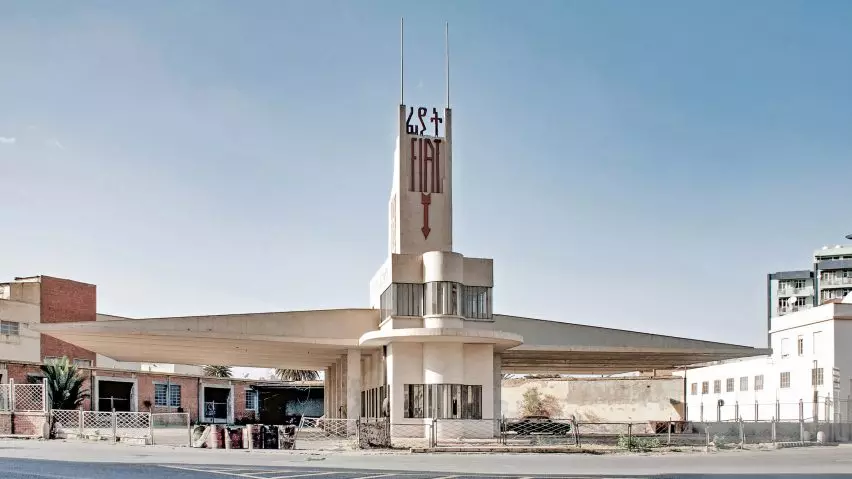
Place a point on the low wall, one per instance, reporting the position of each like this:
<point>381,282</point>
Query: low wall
<point>761,431</point>
<point>635,399</point>
<point>29,424</point>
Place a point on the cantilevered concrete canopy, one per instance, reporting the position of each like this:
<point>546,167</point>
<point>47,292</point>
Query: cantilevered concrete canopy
<point>316,339</point>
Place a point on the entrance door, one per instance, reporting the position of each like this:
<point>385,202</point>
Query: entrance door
<point>217,403</point>
<point>115,395</point>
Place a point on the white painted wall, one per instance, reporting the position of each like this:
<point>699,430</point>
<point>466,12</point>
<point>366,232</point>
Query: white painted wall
<point>825,345</point>
<point>27,345</point>
<point>479,370</point>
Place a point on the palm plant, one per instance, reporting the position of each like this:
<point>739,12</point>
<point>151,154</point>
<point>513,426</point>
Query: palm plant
<point>64,387</point>
<point>64,384</point>
<point>296,375</point>
<point>217,371</point>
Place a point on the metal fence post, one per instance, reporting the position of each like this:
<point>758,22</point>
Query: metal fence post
<point>114,437</point>
<point>44,396</point>
<point>12,397</point>
<point>80,423</point>
<point>669,438</point>
<point>701,412</point>
<point>189,429</point>
<point>629,436</point>
<point>742,433</point>
<point>777,409</point>
<point>756,410</point>
<point>151,427</point>
<point>718,411</point>
<point>737,410</point>
<point>774,435</point>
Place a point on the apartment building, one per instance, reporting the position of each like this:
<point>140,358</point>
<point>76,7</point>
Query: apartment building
<point>829,279</point>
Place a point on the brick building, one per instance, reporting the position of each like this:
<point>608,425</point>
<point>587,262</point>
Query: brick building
<point>113,385</point>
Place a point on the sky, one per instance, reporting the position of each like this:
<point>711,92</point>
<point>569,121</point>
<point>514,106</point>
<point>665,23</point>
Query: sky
<point>636,165</point>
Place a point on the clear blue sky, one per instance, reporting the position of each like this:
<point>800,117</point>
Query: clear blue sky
<point>637,165</point>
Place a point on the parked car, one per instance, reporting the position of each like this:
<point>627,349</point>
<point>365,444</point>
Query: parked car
<point>538,425</point>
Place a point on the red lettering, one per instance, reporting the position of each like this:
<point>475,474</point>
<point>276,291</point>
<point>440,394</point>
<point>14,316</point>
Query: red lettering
<point>425,162</point>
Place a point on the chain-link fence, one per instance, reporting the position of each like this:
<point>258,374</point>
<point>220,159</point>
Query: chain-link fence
<point>67,423</point>
<point>5,397</point>
<point>320,433</point>
<point>97,425</point>
<point>132,426</point>
<point>172,429</point>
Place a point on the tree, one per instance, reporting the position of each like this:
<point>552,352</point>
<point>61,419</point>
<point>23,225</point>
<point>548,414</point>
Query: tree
<point>296,375</point>
<point>534,403</point>
<point>217,371</point>
<point>64,384</point>
<point>64,387</point>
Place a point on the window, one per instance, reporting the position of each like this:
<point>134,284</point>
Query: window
<point>785,347</point>
<point>785,380</point>
<point>705,387</point>
<point>10,328</point>
<point>729,385</point>
<point>87,363</point>
<point>251,400</point>
<point>693,389</point>
<point>816,377</point>
<point>413,401</point>
<point>402,299</point>
<point>477,302</point>
<point>442,297</point>
<point>758,382</point>
<point>816,341</point>
<point>717,386</point>
<point>167,395</point>
<point>744,383</point>
<point>443,401</point>
<point>800,345</point>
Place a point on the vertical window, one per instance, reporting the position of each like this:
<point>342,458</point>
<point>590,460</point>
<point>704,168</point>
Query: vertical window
<point>729,385</point>
<point>477,302</point>
<point>160,395</point>
<point>785,347</point>
<point>174,395</point>
<point>785,380</point>
<point>816,377</point>
<point>443,297</point>
<point>717,386</point>
<point>800,345</point>
<point>402,299</point>
<point>251,400</point>
<point>167,395</point>
<point>443,401</point>
<point>758,382</point>
<point>744,383</point>
<point>413,400</point>
<point>705,387</point>
<point>693,389</point>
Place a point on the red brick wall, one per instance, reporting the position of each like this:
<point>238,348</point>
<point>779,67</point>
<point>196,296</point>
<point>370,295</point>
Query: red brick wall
<point>64,301</point>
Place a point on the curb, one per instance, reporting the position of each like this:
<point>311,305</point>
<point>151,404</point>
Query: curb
<point>506,449</point>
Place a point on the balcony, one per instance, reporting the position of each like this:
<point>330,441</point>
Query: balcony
<point>835,281</point>
<point>805,291</point>
<point>781,311</point>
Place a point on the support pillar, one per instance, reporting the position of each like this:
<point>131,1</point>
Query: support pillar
<point>353,384</point>
<point>325,375</point>
<point>498,392</point>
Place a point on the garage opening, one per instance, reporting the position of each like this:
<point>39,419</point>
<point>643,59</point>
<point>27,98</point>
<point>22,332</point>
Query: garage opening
<point>217,404</point>
<point>114,396</point>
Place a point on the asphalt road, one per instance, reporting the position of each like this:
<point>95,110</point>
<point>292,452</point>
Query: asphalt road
<point>70,460</point>
<point>44,469</point>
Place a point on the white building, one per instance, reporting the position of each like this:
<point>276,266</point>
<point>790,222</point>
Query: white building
<point>810,362</point>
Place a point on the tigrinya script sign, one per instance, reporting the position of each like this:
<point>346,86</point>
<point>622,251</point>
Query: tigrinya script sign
<point>425,157</point>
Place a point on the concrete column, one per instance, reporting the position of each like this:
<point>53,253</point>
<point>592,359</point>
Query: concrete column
<point>325,374</point>
<point>498,390</point>
<point>353,384</point>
